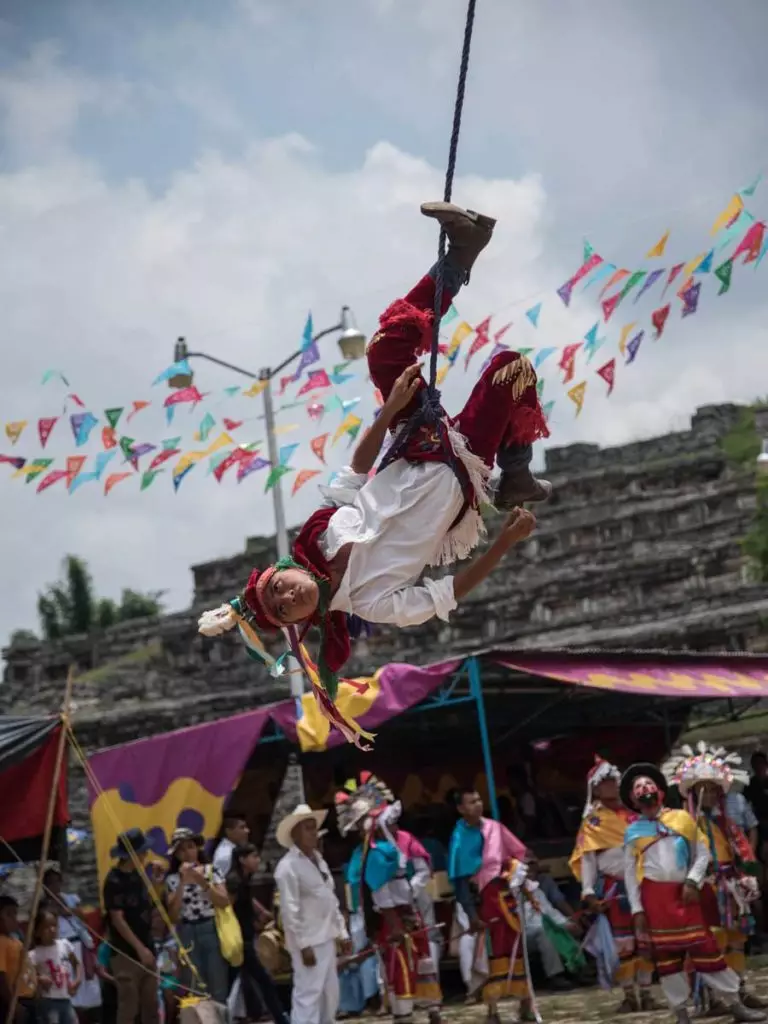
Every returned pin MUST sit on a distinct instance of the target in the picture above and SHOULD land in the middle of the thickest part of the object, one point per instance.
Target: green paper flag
(524, 351)
(37, 467)
(588, 250)
(274, 475)
(112, 416)
(540, 386)
(723, 274)
(148, 477)
(171, 443)
(126, 446)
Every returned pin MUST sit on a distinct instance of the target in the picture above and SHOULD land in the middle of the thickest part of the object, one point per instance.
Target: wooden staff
(46, 843)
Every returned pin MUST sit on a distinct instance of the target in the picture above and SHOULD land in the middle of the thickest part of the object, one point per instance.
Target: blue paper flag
(82, 424)
(750, 189)
(340, 378)
(541, 355)
(762, 253)
(533, 314)
(451, 315)
(285, 453)
(82, 478)
(706, 264)
(178, 477)
(170, 412)
(591, 336)
(102, 460)
(652, 278)
(547, 409)
(604, 270)
(306, 338)
(181, 367)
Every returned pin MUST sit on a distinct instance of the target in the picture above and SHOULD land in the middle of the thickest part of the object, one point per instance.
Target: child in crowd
(106, 979)
(12, 963)
(167, 950)
(58, 970)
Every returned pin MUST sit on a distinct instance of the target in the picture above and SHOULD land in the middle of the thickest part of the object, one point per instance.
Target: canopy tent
(28, 754)
(184, 777)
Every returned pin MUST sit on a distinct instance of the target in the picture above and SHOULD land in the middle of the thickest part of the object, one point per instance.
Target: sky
(218, 170)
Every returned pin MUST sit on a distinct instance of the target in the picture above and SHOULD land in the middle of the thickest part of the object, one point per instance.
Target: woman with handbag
(257, 983)
(195, 892)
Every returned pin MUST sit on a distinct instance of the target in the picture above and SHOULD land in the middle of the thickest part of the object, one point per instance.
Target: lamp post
(352, 345)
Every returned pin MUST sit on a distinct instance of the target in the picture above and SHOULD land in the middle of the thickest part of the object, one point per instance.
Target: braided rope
(430, 411)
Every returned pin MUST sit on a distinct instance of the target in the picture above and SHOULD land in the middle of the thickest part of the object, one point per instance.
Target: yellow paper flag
(461, 333)
(576, 395)
(624, 332)
(349, 422)
(13, 431)
(690, 267)
(442, 373)
(255, 389)
(732, 210)
(224, 440)
(658, 249)
(286, 428)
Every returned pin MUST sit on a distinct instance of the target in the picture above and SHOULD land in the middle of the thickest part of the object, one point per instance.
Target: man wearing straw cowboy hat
(129, 907)
(312, 918)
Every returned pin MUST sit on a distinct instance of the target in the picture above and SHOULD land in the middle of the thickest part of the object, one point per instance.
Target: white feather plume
(216, 621)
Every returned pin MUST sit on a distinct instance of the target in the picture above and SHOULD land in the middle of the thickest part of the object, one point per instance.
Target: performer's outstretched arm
(368, 448)
(518, 526)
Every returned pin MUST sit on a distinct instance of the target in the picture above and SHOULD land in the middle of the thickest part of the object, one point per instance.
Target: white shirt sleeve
(630, 881)
(290, 904)
(588, 874)
(421, 876)
(343, 488)
(548, 910)
(700, 864)
(222, 858)
(409, 606)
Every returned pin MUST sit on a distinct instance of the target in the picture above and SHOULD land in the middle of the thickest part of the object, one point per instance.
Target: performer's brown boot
(517, 483)
(630, 1003)
(743, 1015)
(468, 232)
(647, 1002)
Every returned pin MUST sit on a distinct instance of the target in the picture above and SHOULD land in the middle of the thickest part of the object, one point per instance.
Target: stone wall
(639, 548)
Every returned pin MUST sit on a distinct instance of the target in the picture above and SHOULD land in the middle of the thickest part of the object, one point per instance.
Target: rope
(431, 411)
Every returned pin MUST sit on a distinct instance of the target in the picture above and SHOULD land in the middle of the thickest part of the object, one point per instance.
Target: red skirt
(408, 965)
(503, 940)
(678, 930)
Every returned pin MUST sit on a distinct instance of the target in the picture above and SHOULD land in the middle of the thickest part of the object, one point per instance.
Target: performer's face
(292, 596)
(646, 795)
(709, 794)
(471, 807)
(608, 791)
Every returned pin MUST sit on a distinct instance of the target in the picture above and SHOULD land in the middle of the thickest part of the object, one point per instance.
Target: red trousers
(503, 409)
(678, 930)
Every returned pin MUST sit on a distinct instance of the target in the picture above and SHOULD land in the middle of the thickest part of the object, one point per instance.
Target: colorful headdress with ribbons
(685, 768)
(364, 801)
(599, 772)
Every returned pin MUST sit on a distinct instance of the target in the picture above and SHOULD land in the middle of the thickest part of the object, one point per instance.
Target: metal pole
(295, 675)
(476, 689)
(281, 533)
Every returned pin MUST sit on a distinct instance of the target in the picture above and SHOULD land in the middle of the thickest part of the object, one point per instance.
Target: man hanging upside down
(364, 551)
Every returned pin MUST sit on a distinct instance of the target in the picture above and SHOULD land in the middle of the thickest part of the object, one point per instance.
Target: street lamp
(352, 343)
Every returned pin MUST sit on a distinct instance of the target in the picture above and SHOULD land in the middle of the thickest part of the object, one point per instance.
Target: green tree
(70, 605)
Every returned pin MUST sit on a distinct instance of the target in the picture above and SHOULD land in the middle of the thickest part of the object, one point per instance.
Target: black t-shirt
(242, 903)
(126, 891)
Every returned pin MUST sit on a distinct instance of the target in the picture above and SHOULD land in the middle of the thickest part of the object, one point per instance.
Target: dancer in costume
(364, 551)
(666, 858)
(598, 863)
(393, 868)
(485, 863)
(704, 780)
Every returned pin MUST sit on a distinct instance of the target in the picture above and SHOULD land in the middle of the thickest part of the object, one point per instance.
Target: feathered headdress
(370, 801)
(708, 764)
(599, 772)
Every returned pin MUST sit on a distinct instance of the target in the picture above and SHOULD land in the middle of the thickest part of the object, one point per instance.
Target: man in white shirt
(312, 919)
(235, 833)
(670, 853)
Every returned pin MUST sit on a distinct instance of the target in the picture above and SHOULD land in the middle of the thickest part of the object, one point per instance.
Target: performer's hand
(520, 524)
(594, 905)
(308, 957)
(404, 389)
(346, 947)
(476, 925)
(690, 893)
(146, 957)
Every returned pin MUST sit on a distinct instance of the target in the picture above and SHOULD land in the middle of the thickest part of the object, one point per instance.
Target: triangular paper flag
(315, 379)
(634, 346)
(616, 276)
(690, 299)
(13, 431)
(44, 428)
(547, 409)
(706, 264)
(113, 415)
(659, 319)
(285, 453)
(317, 444)
(576, 395)
(51, 478)
(82, 424)
(301, 478)
(751, 243)
(306, 336)
(672, 275)
(723, 274)
(533, 314)
(275, 474)
(113, 479)
(609, 305)
(137, 407)
(732, 210)
(461, 333)
(255, 389)
(649, 282)
(657, 250)
(206, 426)
(231, 424)
(74, 464)
(541, 355)
(750, 189)
(588, 250)
(608, 372)
(147, 478)
(350, 421)
(451, 315)
(624, 335)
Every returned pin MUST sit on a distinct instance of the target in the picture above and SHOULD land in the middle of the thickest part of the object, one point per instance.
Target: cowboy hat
(635, 771)
(303, 812)
(180, 835)
(131, 840)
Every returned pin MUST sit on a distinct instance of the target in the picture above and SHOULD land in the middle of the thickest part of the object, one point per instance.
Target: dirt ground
(586, 1006)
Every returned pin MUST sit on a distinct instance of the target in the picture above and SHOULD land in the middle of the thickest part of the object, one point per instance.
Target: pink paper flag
(659, 319)
(44, 428)
(113, 479)
(190, 394)
(51, 478)
(616, 276)
(609, 305)
(317, 444)
(301, 478)
(608, 373)
(315, 379)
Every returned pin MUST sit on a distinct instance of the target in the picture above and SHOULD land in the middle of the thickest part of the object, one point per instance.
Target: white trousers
(676, 988)
(315, 995)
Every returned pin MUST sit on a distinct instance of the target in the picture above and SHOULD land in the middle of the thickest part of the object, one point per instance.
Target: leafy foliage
(70, 606)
